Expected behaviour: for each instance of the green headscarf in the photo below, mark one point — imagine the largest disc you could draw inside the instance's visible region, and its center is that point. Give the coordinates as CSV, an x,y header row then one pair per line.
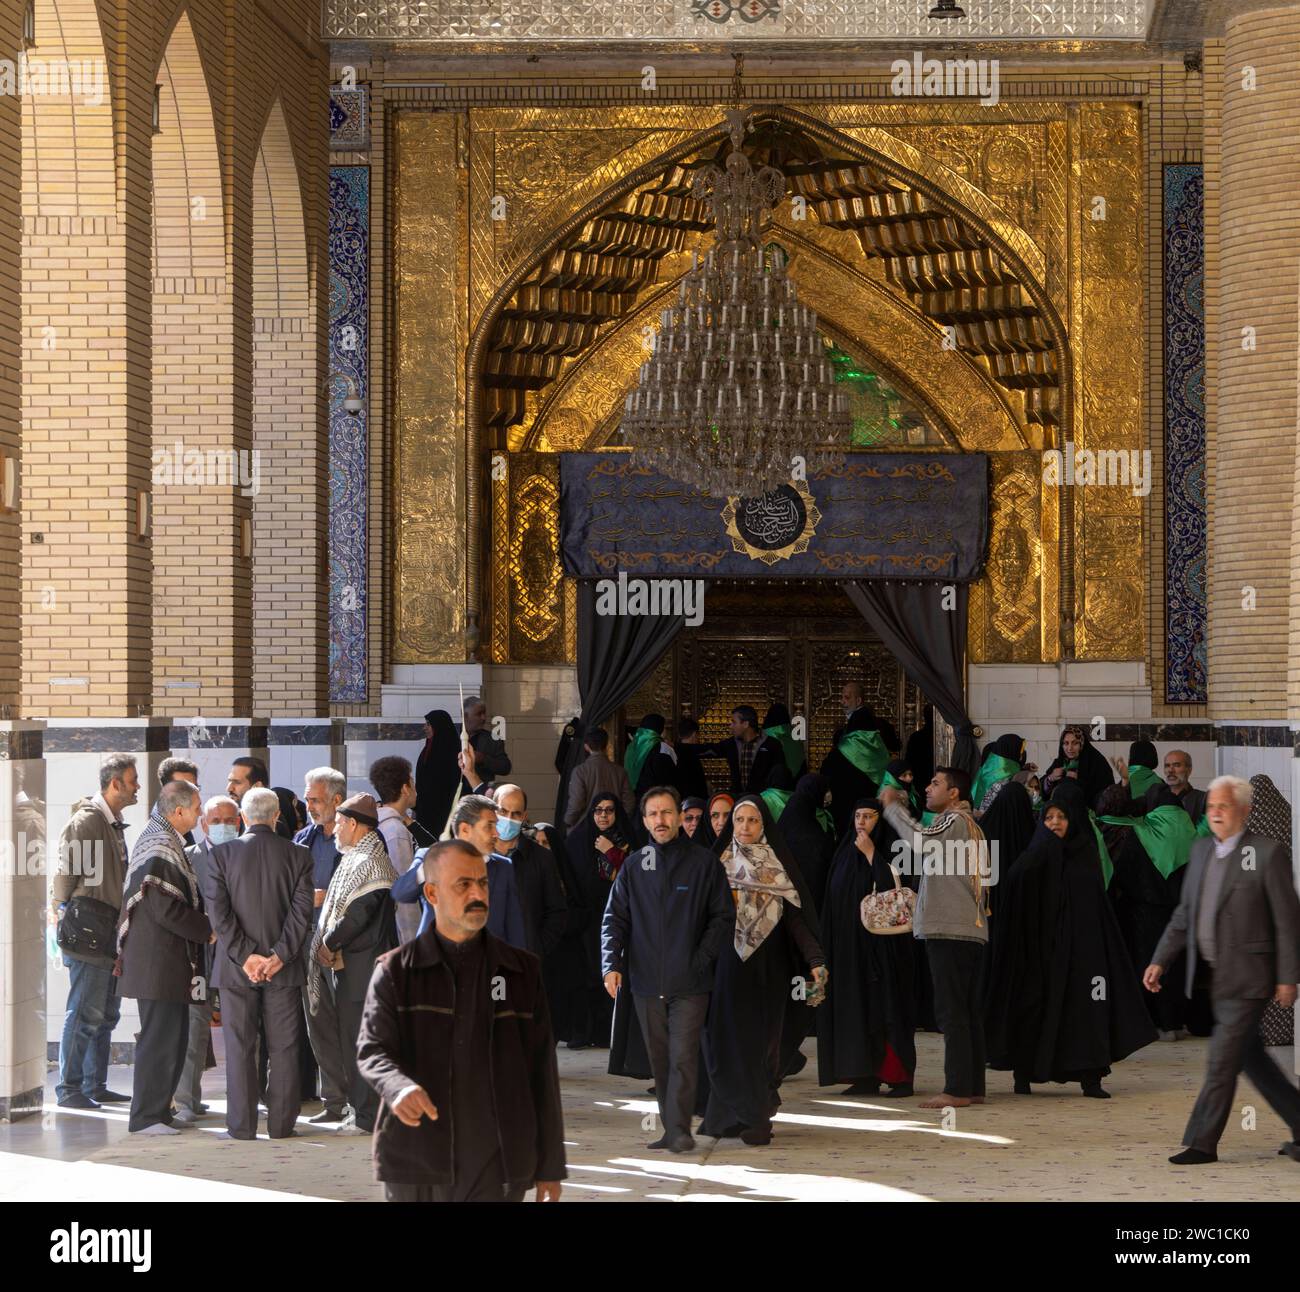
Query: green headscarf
x,y
1166,833
1141,779
792,748
910,790
639,748
867,752
994,768
1203,830
776,801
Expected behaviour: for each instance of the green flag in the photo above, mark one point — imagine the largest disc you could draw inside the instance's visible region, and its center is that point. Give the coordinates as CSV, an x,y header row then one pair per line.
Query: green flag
x,y
792,748
638,750
994,768
1166,833
867,752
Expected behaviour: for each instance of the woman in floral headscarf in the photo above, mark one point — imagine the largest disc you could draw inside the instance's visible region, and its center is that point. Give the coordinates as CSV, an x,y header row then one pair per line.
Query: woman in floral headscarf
x,y
775,942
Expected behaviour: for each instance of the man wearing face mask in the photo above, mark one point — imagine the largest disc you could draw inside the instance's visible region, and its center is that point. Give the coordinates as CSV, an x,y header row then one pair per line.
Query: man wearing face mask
x,y
219,824
537,875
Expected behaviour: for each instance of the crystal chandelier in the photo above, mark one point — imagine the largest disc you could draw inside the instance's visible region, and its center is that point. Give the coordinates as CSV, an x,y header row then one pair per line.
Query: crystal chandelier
x,y
738,385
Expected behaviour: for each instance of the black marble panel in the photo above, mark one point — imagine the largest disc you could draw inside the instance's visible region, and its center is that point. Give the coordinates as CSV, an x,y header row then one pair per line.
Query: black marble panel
x,y
308,733
16,746
233,736
154,739
385,731
27,1104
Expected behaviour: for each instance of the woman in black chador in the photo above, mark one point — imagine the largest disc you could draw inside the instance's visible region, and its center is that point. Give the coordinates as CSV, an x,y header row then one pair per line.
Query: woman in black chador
x,y
866,1031
774,949
805,823
1064,1001
1077,760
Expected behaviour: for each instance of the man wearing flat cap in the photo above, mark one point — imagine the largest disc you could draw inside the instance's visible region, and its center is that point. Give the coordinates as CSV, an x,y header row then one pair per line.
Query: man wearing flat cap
x,y
356,927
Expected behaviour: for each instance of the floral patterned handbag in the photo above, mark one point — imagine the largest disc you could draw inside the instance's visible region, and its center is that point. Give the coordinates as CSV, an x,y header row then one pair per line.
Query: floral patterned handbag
x,y
890,911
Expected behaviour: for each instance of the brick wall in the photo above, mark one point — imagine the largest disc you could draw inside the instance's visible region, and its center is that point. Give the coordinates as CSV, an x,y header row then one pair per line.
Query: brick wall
x,y
1254,455
10,366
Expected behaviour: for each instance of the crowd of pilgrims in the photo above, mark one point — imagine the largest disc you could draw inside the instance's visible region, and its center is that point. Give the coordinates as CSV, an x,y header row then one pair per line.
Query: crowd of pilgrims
x,y
1089,870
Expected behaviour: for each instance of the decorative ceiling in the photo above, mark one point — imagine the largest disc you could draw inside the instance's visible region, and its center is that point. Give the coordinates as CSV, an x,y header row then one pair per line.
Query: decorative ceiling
x,y
933,253
753,21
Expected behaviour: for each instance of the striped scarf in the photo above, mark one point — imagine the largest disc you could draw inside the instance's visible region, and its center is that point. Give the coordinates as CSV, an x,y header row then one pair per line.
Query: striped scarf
x,y
363,869
158,861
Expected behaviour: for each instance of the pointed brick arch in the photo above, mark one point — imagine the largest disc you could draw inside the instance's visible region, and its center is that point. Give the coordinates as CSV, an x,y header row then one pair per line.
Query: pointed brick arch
x,y
188,220
201,443
290,518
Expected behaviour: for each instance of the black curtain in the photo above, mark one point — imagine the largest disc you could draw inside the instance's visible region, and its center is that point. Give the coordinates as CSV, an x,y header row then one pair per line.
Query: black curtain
x,y
929,642
615,655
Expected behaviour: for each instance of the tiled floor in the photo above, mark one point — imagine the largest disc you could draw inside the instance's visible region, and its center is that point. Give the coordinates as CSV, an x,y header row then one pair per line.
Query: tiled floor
x,y
1053,1145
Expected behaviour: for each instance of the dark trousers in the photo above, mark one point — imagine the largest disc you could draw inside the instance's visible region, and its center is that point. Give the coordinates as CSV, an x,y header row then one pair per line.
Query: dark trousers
x,y
189,1089
671,1028
345,1017
245,1010
1235,1046
159,1058
323,1033
957,970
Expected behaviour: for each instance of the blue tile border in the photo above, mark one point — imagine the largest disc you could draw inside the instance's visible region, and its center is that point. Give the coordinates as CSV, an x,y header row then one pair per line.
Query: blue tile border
x,y
1186,629
349,474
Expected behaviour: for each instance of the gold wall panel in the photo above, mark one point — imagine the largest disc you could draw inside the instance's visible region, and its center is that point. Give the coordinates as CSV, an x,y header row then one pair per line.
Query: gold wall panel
x,y
1108,330
1008,606
430,335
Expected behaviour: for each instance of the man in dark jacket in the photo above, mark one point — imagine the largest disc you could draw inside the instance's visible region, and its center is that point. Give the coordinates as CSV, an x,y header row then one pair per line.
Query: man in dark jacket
x,y
160,943
261,893
490,755
456,1040
668,918
750,754
537,874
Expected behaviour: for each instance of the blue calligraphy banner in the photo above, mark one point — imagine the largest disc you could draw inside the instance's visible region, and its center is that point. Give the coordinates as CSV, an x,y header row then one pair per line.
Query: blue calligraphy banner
x,y
875,516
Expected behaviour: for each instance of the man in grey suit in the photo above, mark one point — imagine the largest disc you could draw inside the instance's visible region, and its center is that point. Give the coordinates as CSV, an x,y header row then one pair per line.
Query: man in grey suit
x,y
262,902
1239,914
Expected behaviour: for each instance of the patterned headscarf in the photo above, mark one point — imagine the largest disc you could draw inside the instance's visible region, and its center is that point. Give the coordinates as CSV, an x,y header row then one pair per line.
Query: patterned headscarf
x,y
761,884
1270,813
363,869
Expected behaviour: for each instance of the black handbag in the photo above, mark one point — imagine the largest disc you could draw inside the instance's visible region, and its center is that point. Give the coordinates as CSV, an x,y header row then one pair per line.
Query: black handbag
x,y
88,928
1277,1026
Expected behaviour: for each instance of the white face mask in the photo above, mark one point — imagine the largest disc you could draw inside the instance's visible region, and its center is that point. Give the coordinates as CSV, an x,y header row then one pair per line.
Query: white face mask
x,y
219,833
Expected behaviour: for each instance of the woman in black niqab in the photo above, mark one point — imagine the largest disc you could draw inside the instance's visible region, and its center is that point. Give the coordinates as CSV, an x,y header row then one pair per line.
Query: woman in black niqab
x,y
865,1034
1046,1018
775,941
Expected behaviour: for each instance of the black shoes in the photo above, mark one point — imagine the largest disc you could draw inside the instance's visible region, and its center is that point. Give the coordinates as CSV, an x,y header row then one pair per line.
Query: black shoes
x,y
1290,1149
903,1090
1093,1090
79,1101
110,1097
678,1144
863,1088
1193,1157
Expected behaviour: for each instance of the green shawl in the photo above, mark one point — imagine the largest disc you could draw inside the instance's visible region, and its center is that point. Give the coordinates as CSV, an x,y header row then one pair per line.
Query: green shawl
x,y
776,801
639,748
1141,779
867,752
792,748
910,790
1166,833
993,769
1107,866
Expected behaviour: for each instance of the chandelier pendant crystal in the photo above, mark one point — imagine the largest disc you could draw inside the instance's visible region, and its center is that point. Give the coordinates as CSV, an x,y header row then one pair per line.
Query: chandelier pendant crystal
x,y
738,387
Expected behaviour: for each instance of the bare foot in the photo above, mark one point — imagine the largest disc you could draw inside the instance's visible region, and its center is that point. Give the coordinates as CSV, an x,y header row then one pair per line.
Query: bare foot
x,y
947,1101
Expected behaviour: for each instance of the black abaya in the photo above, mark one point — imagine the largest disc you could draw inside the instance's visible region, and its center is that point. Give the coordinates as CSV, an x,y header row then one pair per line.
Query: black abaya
x,y
747,1010
1065,1002
1009,823
812,847
437,773
848,784
870,1002
1092,775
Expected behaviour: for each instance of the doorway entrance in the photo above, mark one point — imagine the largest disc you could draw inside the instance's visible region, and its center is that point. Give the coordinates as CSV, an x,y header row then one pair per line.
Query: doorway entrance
x,y
763,641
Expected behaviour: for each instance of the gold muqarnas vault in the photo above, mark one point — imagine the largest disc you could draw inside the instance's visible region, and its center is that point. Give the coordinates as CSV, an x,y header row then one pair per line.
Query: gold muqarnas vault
x,y
951,248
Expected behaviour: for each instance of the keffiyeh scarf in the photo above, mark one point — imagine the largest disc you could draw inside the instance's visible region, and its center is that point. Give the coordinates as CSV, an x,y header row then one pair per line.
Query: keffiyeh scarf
x,y
158,860
761,884
363,869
